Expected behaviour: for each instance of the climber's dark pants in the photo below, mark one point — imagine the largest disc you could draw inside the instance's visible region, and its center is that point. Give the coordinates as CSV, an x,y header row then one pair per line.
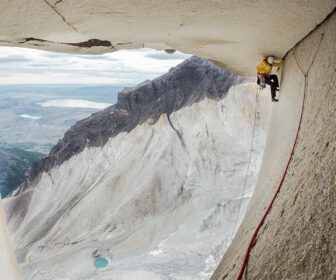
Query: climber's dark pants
x,y
272,81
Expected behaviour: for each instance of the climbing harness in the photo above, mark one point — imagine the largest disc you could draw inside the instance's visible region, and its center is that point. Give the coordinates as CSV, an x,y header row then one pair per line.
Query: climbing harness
x,y
249,161
256,231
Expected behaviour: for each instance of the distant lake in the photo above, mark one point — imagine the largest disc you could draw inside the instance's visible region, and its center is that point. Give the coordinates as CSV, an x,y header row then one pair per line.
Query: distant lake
x,y
74,103
36,116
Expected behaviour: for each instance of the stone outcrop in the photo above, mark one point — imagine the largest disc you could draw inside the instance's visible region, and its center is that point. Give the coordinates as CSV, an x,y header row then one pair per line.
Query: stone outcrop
x,y
234,33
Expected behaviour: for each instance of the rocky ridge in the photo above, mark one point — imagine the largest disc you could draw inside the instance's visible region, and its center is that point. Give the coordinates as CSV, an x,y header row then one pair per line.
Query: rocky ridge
x,y
182,86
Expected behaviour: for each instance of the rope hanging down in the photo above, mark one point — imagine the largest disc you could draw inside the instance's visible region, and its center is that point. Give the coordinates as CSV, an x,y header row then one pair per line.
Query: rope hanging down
x,y
256,231
249,161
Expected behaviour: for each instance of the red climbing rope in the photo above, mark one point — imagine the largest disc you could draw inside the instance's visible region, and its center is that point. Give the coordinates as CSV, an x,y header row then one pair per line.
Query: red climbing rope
x,y
255,233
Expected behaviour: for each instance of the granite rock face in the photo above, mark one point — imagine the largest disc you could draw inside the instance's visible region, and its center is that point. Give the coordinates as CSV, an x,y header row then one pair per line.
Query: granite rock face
x,y
227,31
297,240
189,82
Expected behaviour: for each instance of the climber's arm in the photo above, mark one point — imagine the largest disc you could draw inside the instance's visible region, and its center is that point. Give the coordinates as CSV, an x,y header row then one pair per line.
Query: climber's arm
x,y
277,64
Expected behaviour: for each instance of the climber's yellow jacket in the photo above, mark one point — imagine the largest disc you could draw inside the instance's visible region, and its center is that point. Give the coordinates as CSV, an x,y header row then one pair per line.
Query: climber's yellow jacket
x,y
264,68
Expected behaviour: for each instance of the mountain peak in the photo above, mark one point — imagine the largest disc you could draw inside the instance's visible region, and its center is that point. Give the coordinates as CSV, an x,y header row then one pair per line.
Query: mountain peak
x,y
189,82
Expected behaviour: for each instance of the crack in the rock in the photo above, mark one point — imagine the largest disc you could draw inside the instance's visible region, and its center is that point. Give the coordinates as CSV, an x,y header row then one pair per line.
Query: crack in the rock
x,y
57,2
121,44
33,39
86,44
59,14
91,43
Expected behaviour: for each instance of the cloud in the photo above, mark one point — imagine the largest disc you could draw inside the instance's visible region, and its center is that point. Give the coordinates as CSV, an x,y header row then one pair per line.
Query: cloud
x,y
29,66
167,56
13,58
98,57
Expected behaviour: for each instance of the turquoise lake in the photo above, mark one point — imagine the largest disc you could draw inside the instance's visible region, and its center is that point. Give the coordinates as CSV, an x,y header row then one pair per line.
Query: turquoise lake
x,y
101,262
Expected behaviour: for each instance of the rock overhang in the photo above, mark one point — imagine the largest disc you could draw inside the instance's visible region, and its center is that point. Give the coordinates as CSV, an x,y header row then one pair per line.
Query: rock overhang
x,y
235,34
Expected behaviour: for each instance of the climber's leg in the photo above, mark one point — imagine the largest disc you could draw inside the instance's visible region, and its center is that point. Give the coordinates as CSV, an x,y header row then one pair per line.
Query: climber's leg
x,y
273,82
274,79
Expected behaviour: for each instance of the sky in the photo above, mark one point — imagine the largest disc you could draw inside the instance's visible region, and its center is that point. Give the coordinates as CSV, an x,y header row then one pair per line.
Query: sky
x,y
130,67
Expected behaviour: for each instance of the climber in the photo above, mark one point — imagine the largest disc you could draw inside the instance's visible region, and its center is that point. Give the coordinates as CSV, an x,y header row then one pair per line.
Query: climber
x,y
264,75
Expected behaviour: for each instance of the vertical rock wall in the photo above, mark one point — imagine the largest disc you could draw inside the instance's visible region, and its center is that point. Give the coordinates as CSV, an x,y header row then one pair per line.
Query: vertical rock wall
x,y
297,240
